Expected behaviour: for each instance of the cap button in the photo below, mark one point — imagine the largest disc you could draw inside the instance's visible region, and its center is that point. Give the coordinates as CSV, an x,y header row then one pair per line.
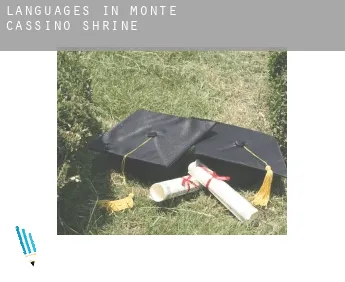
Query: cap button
x,y
240,143
152,134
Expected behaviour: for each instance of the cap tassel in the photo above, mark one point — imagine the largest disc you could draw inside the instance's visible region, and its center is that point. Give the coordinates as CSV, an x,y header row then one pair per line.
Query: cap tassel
x,y
262,197
117,205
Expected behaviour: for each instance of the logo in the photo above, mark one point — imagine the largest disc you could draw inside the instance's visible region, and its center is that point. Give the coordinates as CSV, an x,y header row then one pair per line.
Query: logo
x,y
27,243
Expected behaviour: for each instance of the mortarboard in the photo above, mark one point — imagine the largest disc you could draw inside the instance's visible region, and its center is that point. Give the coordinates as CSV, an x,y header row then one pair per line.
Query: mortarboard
x,y
247,156
151,145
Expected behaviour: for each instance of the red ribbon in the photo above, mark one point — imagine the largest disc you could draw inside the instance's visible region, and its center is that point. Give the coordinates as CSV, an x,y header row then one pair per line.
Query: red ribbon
x,y
214,175
186,182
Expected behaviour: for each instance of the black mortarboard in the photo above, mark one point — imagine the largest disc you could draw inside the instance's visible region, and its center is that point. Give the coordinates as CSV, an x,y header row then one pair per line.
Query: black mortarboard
x,y
151,144
243,154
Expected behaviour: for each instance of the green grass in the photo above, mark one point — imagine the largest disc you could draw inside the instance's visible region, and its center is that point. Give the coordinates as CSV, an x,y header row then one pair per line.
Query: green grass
x,y
228,87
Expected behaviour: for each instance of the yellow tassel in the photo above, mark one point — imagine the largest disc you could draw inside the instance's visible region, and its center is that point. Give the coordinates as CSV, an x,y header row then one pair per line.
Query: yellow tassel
x,y
263,195
118,205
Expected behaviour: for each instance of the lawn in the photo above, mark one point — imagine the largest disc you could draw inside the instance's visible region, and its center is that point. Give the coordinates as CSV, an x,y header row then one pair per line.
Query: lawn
x,y
229,87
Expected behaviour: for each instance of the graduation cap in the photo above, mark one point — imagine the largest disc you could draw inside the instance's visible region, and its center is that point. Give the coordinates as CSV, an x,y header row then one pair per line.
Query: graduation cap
x,y
247,156
150,145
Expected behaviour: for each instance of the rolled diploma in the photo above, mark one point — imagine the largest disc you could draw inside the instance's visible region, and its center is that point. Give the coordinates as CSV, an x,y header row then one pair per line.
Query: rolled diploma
x,y
231,199
172,188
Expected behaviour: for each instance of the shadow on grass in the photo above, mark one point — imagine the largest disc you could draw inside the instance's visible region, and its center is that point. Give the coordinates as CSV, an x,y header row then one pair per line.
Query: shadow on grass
x,y
77,210
168,206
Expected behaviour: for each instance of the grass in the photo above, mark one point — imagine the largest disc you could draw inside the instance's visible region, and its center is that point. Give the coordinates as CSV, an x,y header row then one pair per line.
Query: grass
x,y
228,87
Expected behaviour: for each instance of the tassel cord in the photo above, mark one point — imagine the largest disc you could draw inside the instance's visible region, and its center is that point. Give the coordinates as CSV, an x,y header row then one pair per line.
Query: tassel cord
x,y
118,205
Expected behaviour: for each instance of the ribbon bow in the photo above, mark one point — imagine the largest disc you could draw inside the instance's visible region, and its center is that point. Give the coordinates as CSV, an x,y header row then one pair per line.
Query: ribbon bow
x,y
214,175
186,182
